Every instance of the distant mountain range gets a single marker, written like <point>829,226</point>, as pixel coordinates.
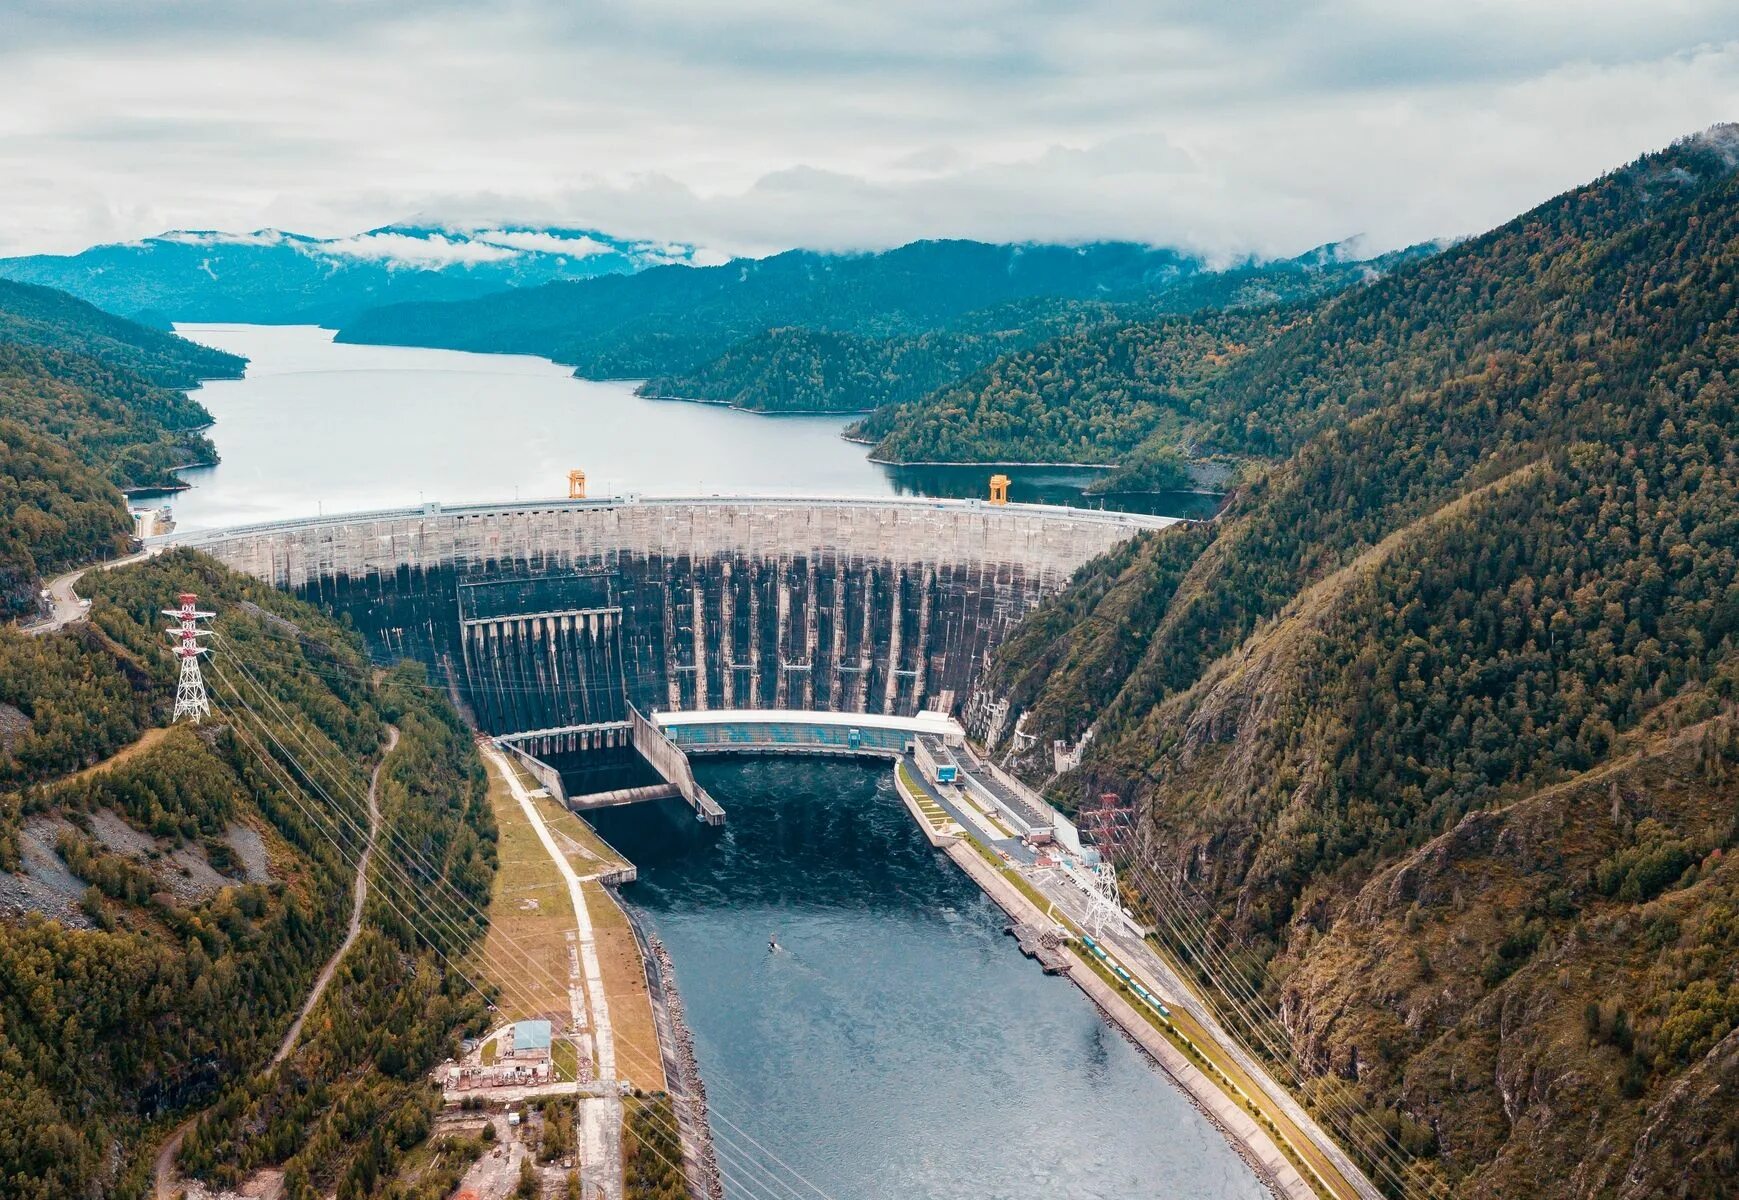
<point>805,330</point>
<point>273,277</point>
<point>670,320</point>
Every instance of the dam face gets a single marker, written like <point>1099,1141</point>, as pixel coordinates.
<point>554,617</point>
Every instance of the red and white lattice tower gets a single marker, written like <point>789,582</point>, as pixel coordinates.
<point>190,698</point>
<point>1105,824</point>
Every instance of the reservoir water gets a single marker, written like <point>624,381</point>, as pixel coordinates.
<point>897,1045</point>
<point>317,425</point>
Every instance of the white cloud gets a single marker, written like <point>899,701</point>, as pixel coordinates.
<point>1269,125</point>
<point>407,250</point>
<point>541,242</point>
<point>213,237</point>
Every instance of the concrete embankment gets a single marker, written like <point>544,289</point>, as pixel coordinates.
<point>681,1071</point>
<point>1235,1122</point>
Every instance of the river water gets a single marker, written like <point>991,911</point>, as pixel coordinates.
<point>320,426</point>
<point>897,1045</point>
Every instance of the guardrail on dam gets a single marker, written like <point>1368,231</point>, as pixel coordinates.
<point>558,615</point>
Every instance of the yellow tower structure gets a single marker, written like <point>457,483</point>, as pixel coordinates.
<point>999,489</point>
<point>576,484</point>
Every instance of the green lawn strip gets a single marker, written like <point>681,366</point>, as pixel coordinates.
<point>564,1059</point>
<point>913,788</point>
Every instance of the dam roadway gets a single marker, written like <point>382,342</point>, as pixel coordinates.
<point>560,622</point>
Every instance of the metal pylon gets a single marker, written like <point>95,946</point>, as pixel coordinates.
<point>1105,902</point>
<point>190,698</point>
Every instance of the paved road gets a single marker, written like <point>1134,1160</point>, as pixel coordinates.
<point>600,1116</point>
<point>66,607</point>
<point>167,1187</point>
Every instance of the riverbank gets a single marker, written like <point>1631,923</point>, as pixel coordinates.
<point>684,1085</point>
<point>759,412</point>
<point>1287,1161</point>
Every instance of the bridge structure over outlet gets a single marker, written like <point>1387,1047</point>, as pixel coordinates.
<point>600,629</point>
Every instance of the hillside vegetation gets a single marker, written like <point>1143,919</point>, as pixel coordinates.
<point>1437,723</point>
<point>89,404</point>
<point>911,376</point>
<point>163,914</point>
<point>671,320</point>
<point>1090,396</point>
<point>803,369</point>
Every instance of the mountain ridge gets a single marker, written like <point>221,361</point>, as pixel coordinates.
<point>1492,563</point>
<point>270,276</point>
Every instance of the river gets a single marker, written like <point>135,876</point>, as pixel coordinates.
<point>897,1045</point>
<point>319,425</point>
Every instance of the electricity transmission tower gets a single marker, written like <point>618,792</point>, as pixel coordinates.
<point>1103,824</point>
<point>190,698</point>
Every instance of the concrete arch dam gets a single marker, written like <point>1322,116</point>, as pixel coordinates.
<point>554,617</point>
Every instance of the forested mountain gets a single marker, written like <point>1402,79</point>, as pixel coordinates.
<point>802,369</point>
<point>88,404</point>
<point>810,367</point>
<point>274,278</point>
<point>1091,396</point>
<point>671,320</point>
<point>1438,724</point>
<point>167,895</point>
<point>52,320</point>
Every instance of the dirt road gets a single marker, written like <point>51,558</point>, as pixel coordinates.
<point>163,1172</point>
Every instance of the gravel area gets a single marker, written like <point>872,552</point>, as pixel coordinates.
<point>111,829</point>
<point>250,851</point>
<point>44,884</point>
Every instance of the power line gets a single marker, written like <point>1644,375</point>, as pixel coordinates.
<point>385,886</point>
<point>1232,986</point>
<point>439,880</point>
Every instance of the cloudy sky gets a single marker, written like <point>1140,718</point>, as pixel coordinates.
<point>1227,126</point>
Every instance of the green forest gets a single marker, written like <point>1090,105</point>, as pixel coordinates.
<point>181,886</point>
<point>913,378</point>
<point>89,404</point>
<point>805,331</point>
<point>1436,724</point>
<point>1090,397</point>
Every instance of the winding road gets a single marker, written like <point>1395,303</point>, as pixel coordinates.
<point>166,1186</point>
<point>359,894</point>
<point>67,608</point>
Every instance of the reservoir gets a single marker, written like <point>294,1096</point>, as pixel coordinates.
<point>320,426</point>
<point>897,1045</point>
